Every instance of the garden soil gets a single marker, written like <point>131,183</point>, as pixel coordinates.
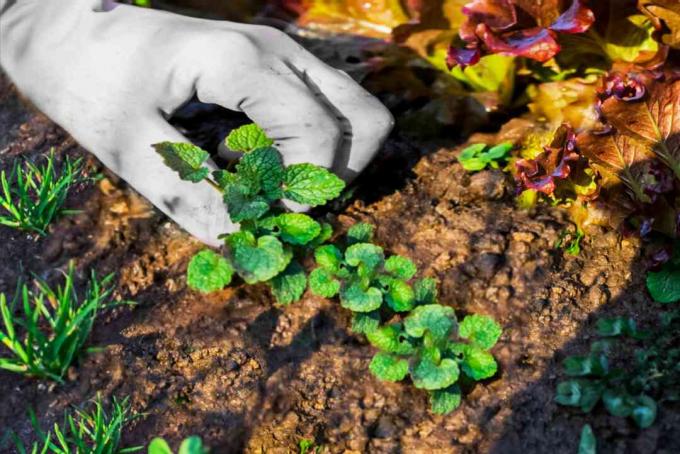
<point>249,376</point>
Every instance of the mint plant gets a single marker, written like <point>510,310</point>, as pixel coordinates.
<point>33,195</point>
<point>479,156</point>
<point>630,390</point>
<point>191,445</point>
<point>400,316</point>
<point>271,241</point>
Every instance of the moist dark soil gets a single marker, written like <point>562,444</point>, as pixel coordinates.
<point>249,376</point>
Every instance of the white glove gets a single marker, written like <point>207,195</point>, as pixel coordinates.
<point>110,74</point>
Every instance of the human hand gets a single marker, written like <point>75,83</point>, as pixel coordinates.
<point>110,75</point>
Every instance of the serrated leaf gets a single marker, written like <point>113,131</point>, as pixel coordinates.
<point>328,257</point>
<point>224,178</point>
<point>184,158</point>
<point>264,168</point>
<point>311,185</point>
<point>390,338</point>
<point>400,296</point>
<point>261,262</point>
<point>426,374</point>
<point>368,254</point>
<point>361,232</point>
<point>426,291</point>
<point>242,205</point>
<point>401,267</point>
<point>365,322</point>
<point>476,363</point>
<point>433,318</point>
<point>388,367</point>
<point>323,283</point>
<point>357,299</point>
<point>248,138</point>
<point>289,286</point>
<point>481,330</point>
<point>325,235</point>
<point>209,271</point>
<point>444,401</point>
<point>297,228</point>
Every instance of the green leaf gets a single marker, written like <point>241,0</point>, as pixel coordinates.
<point>493,73</point>
<point>476,362</point>
<point>363,323</point>
<point>631,37</point>
<point>328,257</point>
<point>368,254</point>
<point>224,178</point>
<point>400,267</point>
<point>426,374</point>
<point>617,403</point>
<point>664,285</point>
<point>242,205</point>
<point>444,401</point>
<point>361,232</point>
<point>264,168</point>
<point>159,446</point>
<point>184,158</point>
<point>644,411</point>
<point>587,444</point>
<point>261,262</point>
<point>400,296</point>
<point>388,367</point>
<point>323,283</point>
<point>209,271</point>
<point>426,291</point>
<point>433,318</point>
<point>192,445</point>
<point>476,157</point>
<point>578,366</point>
<point>325,235</point>
<point>481,330</point>
<point>356,299</point>
<point>390,338</point>
<point>297,228</point>
<point>289,286</point>
<point>310,184</point>
<point>611,327</point>
<point>248,138</point>
<point>579,393</point>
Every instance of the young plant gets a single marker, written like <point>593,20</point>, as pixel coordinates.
<point>49,336</point>
<point>629,391</point>
<point>191,445</point>
<point>479,156</point>
<point>33,196</point>
<point>664,284</point>
<point>400,316</point>
<point>93,432</point>
<point>271,240</point>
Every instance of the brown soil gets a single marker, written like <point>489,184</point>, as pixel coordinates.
<point>252,377</point>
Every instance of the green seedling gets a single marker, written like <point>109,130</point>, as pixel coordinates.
<point>93,431</point>
<point>587,444</point>
<point>664,285</point>
<point>627,391</point>
<point>271,241</point>
<point>570,241</point>
<point>307,446</point>
<point>400,316</point>
<point>191,445</point>
<point>46,339</point>
<point>479,156</point>
<point>33,196</point>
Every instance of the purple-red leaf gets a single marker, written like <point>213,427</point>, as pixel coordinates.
<point>462,57</point>
<point>535,43</point>
<point>576,19</point>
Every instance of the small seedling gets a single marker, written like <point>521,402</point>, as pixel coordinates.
<point>626,391</point>
<point>570,241</point>
<point>664,285</point>
<point>50,334</point>
<point>587,444</point>
<point>271,240</point>
<point>33,196</point>
<point>95,431</point>
<point>479,156</point>
<point>191,445</point>
<point>401,317</point>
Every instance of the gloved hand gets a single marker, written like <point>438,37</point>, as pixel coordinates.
<point>110,74</point>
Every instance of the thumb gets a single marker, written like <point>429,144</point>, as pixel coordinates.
<point>196,207</point>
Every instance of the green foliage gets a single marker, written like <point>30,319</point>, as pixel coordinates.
<point>664,285</point>
<point>587,443</point>
<point>248,138</point>
<point>49,336</point>
<point>33,196</point>
<point>191,445</point>
<point>570,242</point>
<point>271,240</point>
<point>479,156</point>
<point>423,344</point>
<point>93,431</point>
<point>628,391</point>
